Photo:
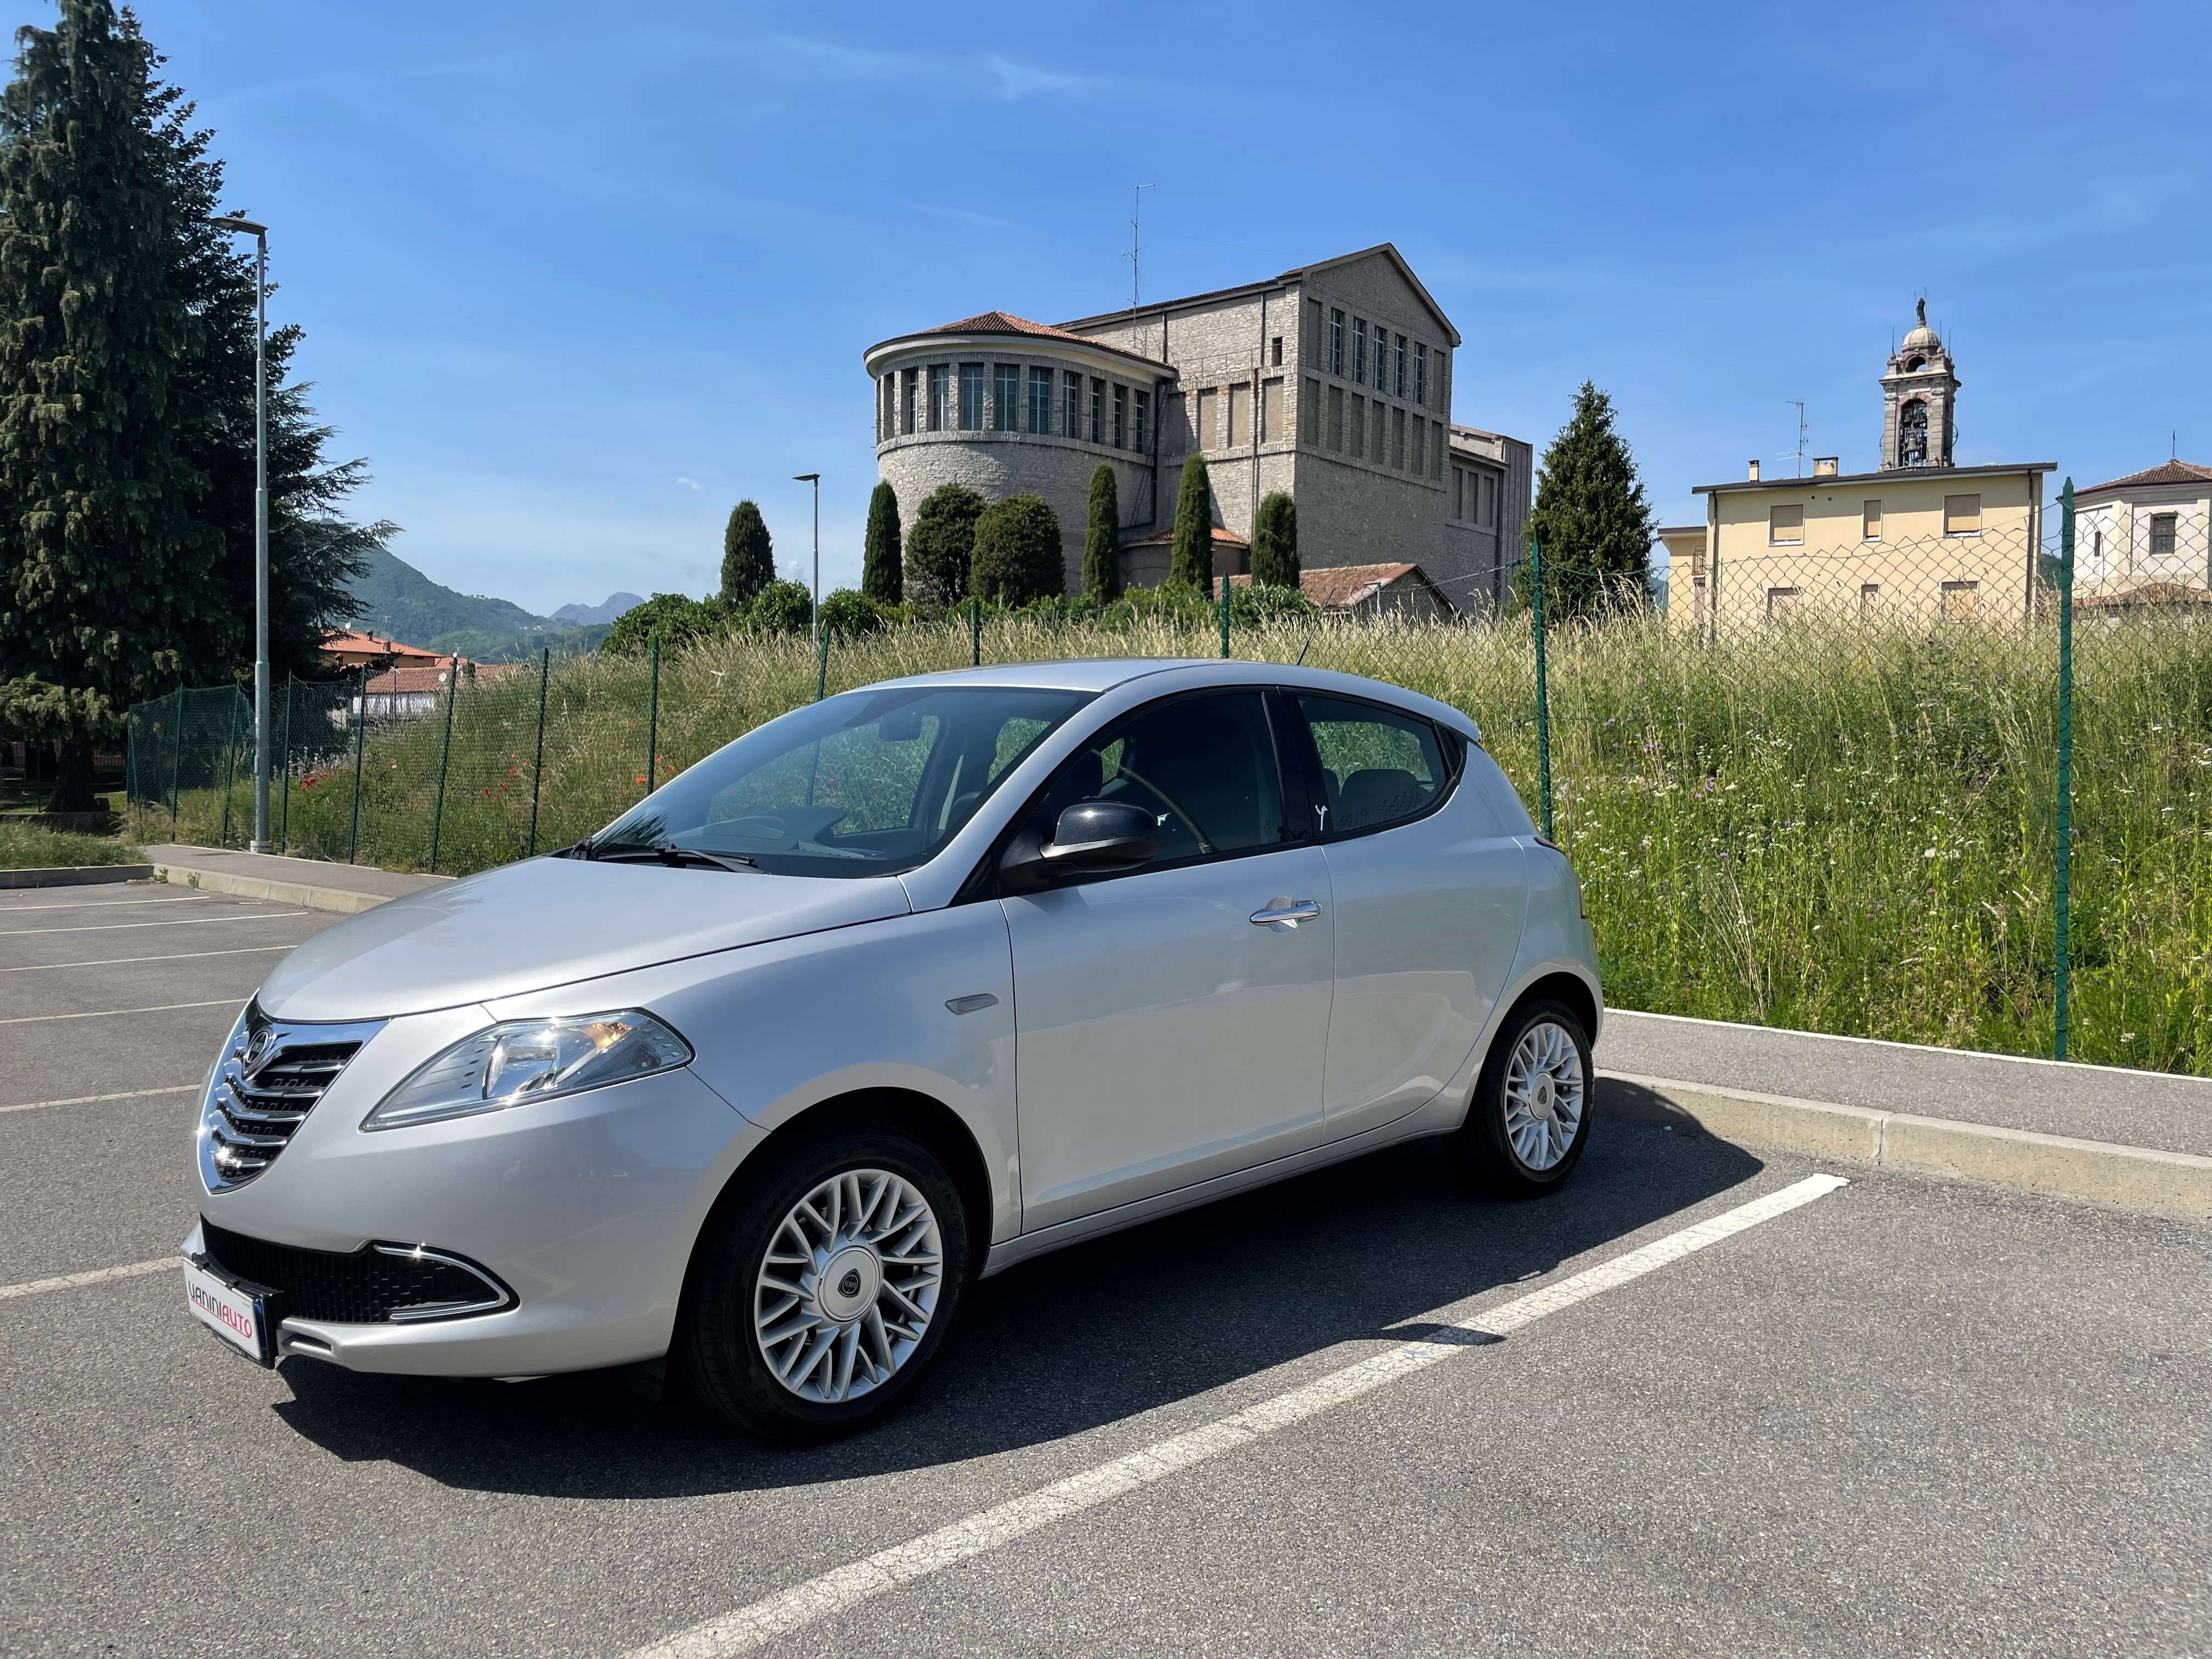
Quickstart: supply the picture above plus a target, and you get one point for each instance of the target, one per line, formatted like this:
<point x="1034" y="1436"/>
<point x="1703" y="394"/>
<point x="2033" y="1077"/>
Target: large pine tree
<point x="883" y="561"/>
<point x="108" y="563"/>
<point x="1190" y="557"/>
<point x="1590" y="518"/>
<point x="1102" y="540"/>
<point x="748" y="555"/>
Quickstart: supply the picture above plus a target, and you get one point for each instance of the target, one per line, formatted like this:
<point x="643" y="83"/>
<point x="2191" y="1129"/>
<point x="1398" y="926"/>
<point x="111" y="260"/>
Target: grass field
<point x="1833" y="828"/>
<point x="28" y="846"/>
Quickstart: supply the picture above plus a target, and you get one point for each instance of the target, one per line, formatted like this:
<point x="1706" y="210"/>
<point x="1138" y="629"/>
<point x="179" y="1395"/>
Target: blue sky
<point x="575" y="278"/>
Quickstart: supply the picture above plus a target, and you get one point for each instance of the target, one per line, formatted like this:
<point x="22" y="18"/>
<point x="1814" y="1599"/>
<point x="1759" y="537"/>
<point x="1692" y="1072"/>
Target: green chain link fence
<point x="1825" y="790"/>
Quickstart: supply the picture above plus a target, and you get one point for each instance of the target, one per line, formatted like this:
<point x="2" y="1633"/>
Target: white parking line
<point x="97" y="1276"/>
<point x="105" y="904"/>
<point x="117" y="927"/>
<point x="104" y="1013"/>
<point x="94" y="1100"/>
<point x="121" y="961"/>
<point x="832" y="1592"/>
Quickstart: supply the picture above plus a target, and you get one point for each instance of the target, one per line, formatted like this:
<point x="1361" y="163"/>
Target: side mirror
<point x="1090" y="836"/>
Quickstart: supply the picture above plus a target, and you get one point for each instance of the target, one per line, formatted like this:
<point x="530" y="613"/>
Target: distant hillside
<point x="400" y="603"/>
<point x="606" y="611"/>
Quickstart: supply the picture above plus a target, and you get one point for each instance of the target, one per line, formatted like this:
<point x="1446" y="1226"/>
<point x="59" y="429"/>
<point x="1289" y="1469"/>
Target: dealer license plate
<point x="236" y="1312"/>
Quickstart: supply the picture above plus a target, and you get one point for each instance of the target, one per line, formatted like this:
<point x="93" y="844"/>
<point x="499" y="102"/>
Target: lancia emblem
<point x="850" y="1284"/>
<point x="257" y="1051"/>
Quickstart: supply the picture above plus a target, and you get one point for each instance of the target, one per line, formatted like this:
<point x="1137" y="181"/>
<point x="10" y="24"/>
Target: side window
<point x="1377" y="766"/>
<point x="1204" y="767"/>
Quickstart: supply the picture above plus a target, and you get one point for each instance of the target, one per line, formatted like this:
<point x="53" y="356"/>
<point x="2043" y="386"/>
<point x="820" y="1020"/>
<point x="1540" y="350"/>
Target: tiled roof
<point x="2149" y="595"/>
<point x="2165" y="472"/>
<point x="1341" y="586"/>
<point x="406" y="679"/>
<point x="1000" y="322"/>
<point x="1161" y="538"/>
<point x="347" y="641"/>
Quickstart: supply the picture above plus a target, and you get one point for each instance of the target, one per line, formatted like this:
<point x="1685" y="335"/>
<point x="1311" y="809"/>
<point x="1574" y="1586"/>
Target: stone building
<point x="1920" y="540"/>
<point x="1332" y="383"/>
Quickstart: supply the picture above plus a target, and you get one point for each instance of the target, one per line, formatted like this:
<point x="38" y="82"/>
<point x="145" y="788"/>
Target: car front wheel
<point x="1529" y="1120"/>
<point x="819" y="1297"/>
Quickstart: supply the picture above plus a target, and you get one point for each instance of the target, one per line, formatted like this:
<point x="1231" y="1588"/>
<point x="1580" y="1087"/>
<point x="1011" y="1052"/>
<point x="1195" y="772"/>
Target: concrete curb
<point x="2173" y="1184"/>
<point x="302" y="894"/>
<point x="76" y="875"/>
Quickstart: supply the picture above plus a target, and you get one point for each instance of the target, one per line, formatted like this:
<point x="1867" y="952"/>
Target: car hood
<point x="551" y="922"/>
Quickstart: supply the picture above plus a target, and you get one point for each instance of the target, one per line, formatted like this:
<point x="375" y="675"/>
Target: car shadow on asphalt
<point x="1071" y="1341"/>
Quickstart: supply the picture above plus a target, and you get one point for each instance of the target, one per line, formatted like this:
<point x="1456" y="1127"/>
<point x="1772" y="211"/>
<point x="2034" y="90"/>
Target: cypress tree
<point x="104" y="565"/>
<point x="1102" y="539"/>
<point x="1275" y="541"/>
<point x="941" y="544"/>
<point x="1017" y="557"/>
<point x="1590" y="515"/>
<point x="1191" y="559"/>
<point x="883" y="563"/>
<point x="748" y="556"/>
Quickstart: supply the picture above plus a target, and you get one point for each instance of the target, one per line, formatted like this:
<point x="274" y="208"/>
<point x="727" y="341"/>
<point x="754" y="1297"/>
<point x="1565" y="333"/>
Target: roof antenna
<point x="1136" y="240"/>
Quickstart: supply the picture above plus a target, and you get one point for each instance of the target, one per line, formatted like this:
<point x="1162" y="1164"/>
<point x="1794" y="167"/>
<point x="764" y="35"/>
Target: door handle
<point x="1291" y="914"/>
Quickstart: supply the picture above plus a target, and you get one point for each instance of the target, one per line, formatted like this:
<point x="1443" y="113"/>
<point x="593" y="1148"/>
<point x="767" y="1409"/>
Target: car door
<point x="1171" y="1020"/>
<point x="1430" y="893"/>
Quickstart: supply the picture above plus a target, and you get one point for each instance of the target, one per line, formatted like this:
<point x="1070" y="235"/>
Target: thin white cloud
<point x="991" y="74"/>
<point x="688" y="483"/>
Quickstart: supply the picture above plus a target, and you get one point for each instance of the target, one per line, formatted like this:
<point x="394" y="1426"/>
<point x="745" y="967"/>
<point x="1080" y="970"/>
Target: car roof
<point x="1099" y="675"/>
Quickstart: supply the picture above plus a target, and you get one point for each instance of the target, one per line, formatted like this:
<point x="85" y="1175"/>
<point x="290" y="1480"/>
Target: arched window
<point x="1912" y="435"/>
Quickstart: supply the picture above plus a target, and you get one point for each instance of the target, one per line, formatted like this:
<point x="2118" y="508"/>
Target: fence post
<point x="359" y="743"/>
<point x="976" y="629"/>
<point x="445" y="756"/>
<point x="176" y="762"/>
<point x="1543" y="694"/>
<point x="2065" y="759"/>
<point x="284" y="811"/>
<point x="230" y="772"/>
<point x="537" y="766"/>
<point x="653" y="719"/>
<point x="1224" y="615"/>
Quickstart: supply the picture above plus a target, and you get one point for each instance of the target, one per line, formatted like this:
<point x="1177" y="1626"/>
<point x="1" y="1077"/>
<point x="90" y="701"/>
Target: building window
<point x="909" y="393"/>
<point x="938" y="376"/>
<point x="1785" y="526"/>
<point x="1143" y="434"/>
<point x="1098" y="434"/>
<point x="1336" y="343"/>
<point x="1270" y="409"/>
<point x="1912" y="435"/>
<point x="1360" y="350"/>
<point x="1871" y="522"/>
<point x="1420" y="374"/>
<point x="1397" y="364"/>
<point x="2162" y="527"/>
<point x="1176" y="411"/>
<point x="1962" y="516"/>
<point x="971" y="397"/>
<point x="1336" y="417"/>
<point x="1121" y="415"/>
<point x="1310" y="410"/>
<point x="1869" y="601"/>
<point x="1239" y="416"/>
<point x="1209" y="411"/>
<point x="1398" y="439"/>
<point x="1961" y="601"/>
<point x="1358" y="426"/>
<point x="1040" y="409"/>
<point x="1382" y="360"/>
<point x="1782" y="603"/>
<point x="1006" y="395"/>
<point x="1071" y="405"/>
<point x="1275" y="352"/>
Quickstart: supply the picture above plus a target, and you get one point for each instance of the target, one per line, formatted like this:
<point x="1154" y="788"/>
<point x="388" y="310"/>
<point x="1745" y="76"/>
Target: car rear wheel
<point x="1529" y="1120"/>
<point x="819" y="1297"/>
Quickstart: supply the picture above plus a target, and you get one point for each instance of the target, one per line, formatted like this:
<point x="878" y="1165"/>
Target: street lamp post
<point x="240" y="227"/>
<point x="815" y="479"/>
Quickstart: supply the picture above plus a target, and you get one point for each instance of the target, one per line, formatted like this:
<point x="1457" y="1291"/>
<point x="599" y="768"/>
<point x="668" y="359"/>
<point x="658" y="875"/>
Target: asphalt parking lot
<point x="1358" y="1413"/>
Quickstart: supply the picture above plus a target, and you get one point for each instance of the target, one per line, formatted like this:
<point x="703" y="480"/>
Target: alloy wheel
<point x="1546" y="1094"/>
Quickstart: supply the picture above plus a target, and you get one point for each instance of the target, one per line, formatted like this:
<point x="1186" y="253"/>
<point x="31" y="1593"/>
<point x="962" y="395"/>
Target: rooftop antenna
<point x="1800" y="402"/>
<point x="1136" y="240"/>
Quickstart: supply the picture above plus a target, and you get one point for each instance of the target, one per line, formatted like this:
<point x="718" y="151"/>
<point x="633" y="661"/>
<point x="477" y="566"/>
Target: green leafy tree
<point x="1191" y="558"/>
<point x="104" y="562"/>
<point x="1590" y="517"/>
<point x="940" y="545"/>
<point x="1275" y="541"/>
<point x="782" y="607"/>
<point x="676" y="619"/>
<point x="1017" y="558"/>
<point x="883" y="561"/>
<point x="848" y="614"/>
<point x="748" y="555"/>
<point x="1102" y="539"/>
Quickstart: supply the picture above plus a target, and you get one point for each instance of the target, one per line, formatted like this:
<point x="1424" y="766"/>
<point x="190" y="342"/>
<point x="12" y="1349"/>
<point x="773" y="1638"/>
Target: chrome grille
<point x="270" y="1076"/>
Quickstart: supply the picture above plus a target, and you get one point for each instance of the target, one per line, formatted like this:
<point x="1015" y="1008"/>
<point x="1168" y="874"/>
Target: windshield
<point x="868" y="783"/>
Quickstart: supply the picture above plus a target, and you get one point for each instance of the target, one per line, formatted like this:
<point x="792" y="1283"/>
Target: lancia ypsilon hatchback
<point x="890" y="993"/>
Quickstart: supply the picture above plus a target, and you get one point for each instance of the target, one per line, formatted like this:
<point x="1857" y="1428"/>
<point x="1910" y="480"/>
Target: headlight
<point x="528" y="1059"/>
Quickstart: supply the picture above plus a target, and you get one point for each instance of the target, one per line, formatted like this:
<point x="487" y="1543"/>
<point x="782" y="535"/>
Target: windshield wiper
<point x="631" y="852"/>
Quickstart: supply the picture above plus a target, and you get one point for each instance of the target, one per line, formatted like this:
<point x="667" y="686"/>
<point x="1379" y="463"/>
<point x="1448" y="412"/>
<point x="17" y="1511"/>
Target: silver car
<point x="890" y="995"/>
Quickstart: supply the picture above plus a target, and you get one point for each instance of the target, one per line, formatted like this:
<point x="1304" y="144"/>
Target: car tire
<point x="819" y="1296"/>
<point x="1529" y="1120"/>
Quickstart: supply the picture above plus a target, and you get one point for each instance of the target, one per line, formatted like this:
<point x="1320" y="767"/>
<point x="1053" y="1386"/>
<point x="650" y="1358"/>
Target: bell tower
<point x="1919" y="396"/>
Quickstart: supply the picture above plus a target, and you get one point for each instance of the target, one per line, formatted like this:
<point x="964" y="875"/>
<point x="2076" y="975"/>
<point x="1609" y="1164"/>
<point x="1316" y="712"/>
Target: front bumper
<point x="587" y="1206"/>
